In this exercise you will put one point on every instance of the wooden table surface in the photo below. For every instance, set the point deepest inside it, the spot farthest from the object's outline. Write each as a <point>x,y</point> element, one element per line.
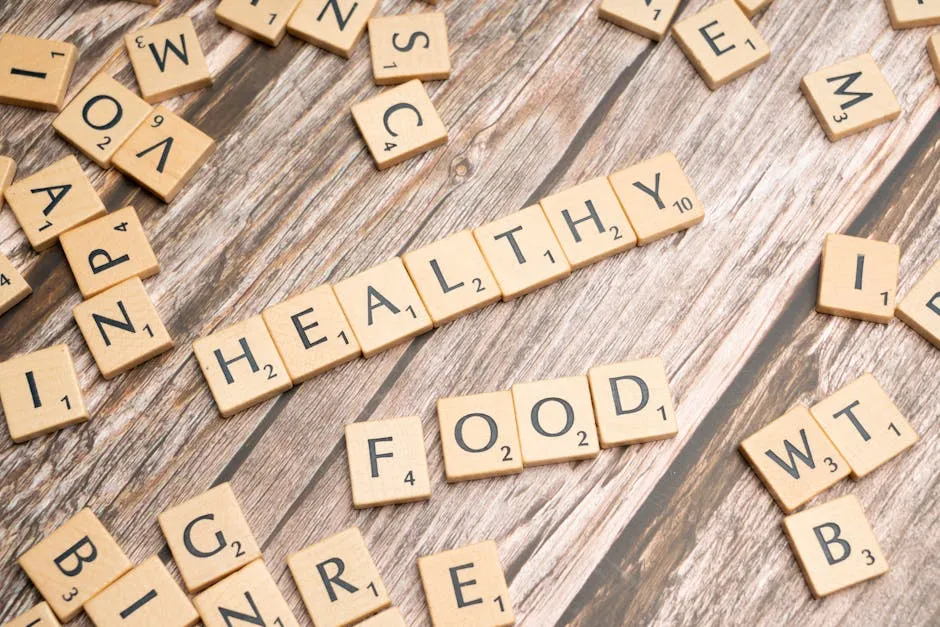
<point>543,95</point>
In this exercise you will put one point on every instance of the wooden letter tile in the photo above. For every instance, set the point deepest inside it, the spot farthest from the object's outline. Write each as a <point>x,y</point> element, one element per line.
<point>389,618</point>
<point>649,18</point>
<point>657,198</point>
<point>858,278</point>
<point>7,172</point>
<point>864,424</point>
<point>334,25</point>
<point>164,153</point>
<point>311,333</point>
<point>933,50</point>
<point>555,420</point>
<point>39,393</point>
<point>383,306</point>
<point>147,596</point>
<point>249,597</point>
<point>835,545</point>
<point>721,43</point>
<point>37,616</point>
<point>589,222</point>
<point>522,252</point>
<point>752,7</point>
<point>167,59</point>
<point>74,563</point>
<point>101,118</point>
<point>109,250</point>
<point>913,13</point>
<point>632,402</point>
<point>466,586</point>
<point>919,309</point>
<point>794,458</point>
<point>387,462</point>
<point>264,20</point>
<point>338,580</point>
<point>13,287</point>
<point>35,72</point>
<point>452,277</point>
<point>479,436</point>
<point>409,46</point>
<point>850,96</point>
<point>52,201</point>
<point>209,537</point>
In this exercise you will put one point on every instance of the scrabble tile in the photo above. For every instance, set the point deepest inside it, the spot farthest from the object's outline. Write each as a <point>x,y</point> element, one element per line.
<point>657,198</point>
<point>7,172</point>
<point>334,25</point>
<point>409,46</point>
<point>649,18</point>
<point>264,20</point>
<point>466,586</point>
<point>389,618</point>
<point>209,537</point>
<point>122,328</point>
<point>721,43</point>
<point>794,458</point>
<point>522,252</point>
<point>35,72</point>
<point>147,596</point>
<point>37,616</point>
<point>164,153</point>
<point>387,462</point>
<point>109,250</point>
<point>167,59</point>
<point>858,278</point>
<point>752,7</point>
<point>913,13</point>
<point>920,308</point>
<point>452,277</point>
<point>74,563</point>
<point>399,123</point>
<point>555,420</point>
<point>338,581</point>
<point>632,402</point>
<point>13,287</point>
<point>101,118</point>
<point>588,222</point>
<point>39,393</point>
<point>383,306</point>
<point>864,425</point>
<point>835,545</point>
<point>311,333</point>
<point>479,436</point>
<point>52,201</point>
<point>933,50</point>
<point>850,96</point>
<point>249,597</point>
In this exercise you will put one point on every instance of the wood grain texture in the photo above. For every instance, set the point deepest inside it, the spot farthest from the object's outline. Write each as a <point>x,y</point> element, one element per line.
<point>543,95</point>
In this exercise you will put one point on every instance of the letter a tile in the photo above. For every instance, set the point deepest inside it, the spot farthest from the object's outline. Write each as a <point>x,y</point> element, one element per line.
<point>919,309</point>
<point>632,402</point>
<point>334,25</point>
<point>264,20</point>
<point>250,596</point>
<point>37,616</point>
<point>649,18</point>
<point>13,287</point>
<point>387,462</point>
<point>35,72</point>
<point>479,436</point>
<point>167,59</point>
<point>858,278</point>
<point>555,420</point>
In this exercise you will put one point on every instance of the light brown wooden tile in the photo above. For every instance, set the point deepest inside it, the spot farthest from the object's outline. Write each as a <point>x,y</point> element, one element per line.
<point>589,222</point>
<point>7,172</point>
<point>522,252</point>
<point>382,306</point>
<point>920,307</point>
<point>479,436</point>
<point>209,537</point>
<point>34,72</point>
<point>466,586</point>
<point>122,328</point>
<point>649,18</point>
<point>39,393</point>
<point>721,43</point>
<point>37,616</point>
<point>387,462</point>
<point>409,46</point>
<point>850,96</point>
<point>389,618</point>
<point>555,420</point>
<point>167,59</point>
<point>334,25</point>
<point>933,51</point>
<point>452,277</point>
<point>632,402</point>
<point>858,278</point>
<point>311,333</point>
<point>109,250</point>
<point>249,596</point>
<point>913,13</point>
<point>338,580</point>
<point>164,153</point>
<point>147,596</point>
<point>399,123</point>
<point>13,287</point>
<point>73,563</point>
<point>52,201</point>
<point>864,425</point>
<point>835,545</point>
<point>794,458</point>
<point>753,7</point>
<point>101,118</point>
<point>657,197</point>
<point>264,20</point>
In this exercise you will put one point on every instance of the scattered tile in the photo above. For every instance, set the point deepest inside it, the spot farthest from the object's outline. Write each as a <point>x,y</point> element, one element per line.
<point>753,7</point>
<point>389,618</point>
<point>649,18</point>
<point>933,50</point>
<point>13,287</point>
<point>334,25</point>
<point>409,46</point>
<point>250,596</point>
<point>167,59</point>
<point>555,420</point>
<point>920,308</point>
<point>34,72</point>
<point>37,616</point>
<point>479,436</point>
<point>913,13</point>
<point>7,172</point>
<point>264,20</point>
<point>387,462</point>
<point>858,278</point>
